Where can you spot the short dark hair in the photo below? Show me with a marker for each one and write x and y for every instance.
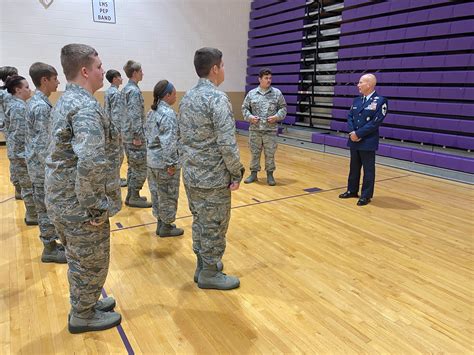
(7, 71)
(75, 56)
(205, 59)
(111, 74)
(264, 71)
(13, 82)
(130, 67)
(40, 70)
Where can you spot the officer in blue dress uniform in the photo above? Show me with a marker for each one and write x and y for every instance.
(365, 116)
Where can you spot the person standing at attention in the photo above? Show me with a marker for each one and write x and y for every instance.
(364, 119)
(82, 186)
(263, 107)
(211, 167)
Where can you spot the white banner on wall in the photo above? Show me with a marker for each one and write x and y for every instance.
(103, 11)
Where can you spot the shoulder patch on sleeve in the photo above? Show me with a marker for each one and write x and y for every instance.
(384, 109)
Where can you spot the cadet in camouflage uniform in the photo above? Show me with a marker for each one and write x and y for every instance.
(263, 106)
(114, 106)
(15, 126)
(82, 184)
(162, 159)
(45, 78)
(211, 166)
(134, 135)
(5, 72)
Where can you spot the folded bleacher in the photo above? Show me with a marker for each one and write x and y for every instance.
(422, 52)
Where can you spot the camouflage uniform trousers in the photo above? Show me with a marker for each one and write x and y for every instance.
(164, 191)
(137, 170)
(21, 173)
(266, 140)
(88, 254)
(47, 230)
(211, 216)
(13, 178)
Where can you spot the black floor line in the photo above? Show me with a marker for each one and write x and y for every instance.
(267, 201)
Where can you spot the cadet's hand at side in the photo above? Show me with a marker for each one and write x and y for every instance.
(234, 186)
(254, 119)
(272, 119)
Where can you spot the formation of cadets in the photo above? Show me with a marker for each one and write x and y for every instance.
(65, 163)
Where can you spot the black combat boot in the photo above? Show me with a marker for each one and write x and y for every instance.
(270, 179)
(53, 253)
(210, 277)
(220, 267)
(252, 178)
(18, 192)
(134, 200)
(168, 230)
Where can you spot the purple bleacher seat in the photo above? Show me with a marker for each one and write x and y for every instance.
(437, 61)
(384, 150)
(466, 126)
(432, 77)
(385, 132)
(454, 163)
(420, 46)
(423, 157)
(290, 119)
(276, 59)
(317, 138)
(242, 125)
(291, 109)
(276, 79)
(278, 7)
(295, 36)
(338, 125)
(445, 140)
(444, 124)
(256, 4)
(277, 18)
(464, 142)
(387, 7)
(422, 137)
(401, 153)
(277, 69)
(275, 49)
(335, 141)
(339, 113)
(402, 134)
(414, 32)
(290, 99)
(278, 28)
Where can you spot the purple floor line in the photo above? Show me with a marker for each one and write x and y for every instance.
(121, 332)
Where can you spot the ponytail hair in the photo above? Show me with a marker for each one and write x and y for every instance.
(161, 89)
(13, 82)
(5, 72)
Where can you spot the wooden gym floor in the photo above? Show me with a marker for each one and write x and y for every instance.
(318, 274)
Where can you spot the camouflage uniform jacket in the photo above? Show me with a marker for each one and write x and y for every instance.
(114, 105)
(207, 144)
(264, 104)
(82, 179)
(38, 121)
(161, 137)
(15, 127)
(134, 113)
(4, 97)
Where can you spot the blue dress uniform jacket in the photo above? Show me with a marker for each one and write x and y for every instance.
(365, 119)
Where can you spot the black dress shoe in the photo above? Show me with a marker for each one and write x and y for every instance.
(348, 194)
(363, 201)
